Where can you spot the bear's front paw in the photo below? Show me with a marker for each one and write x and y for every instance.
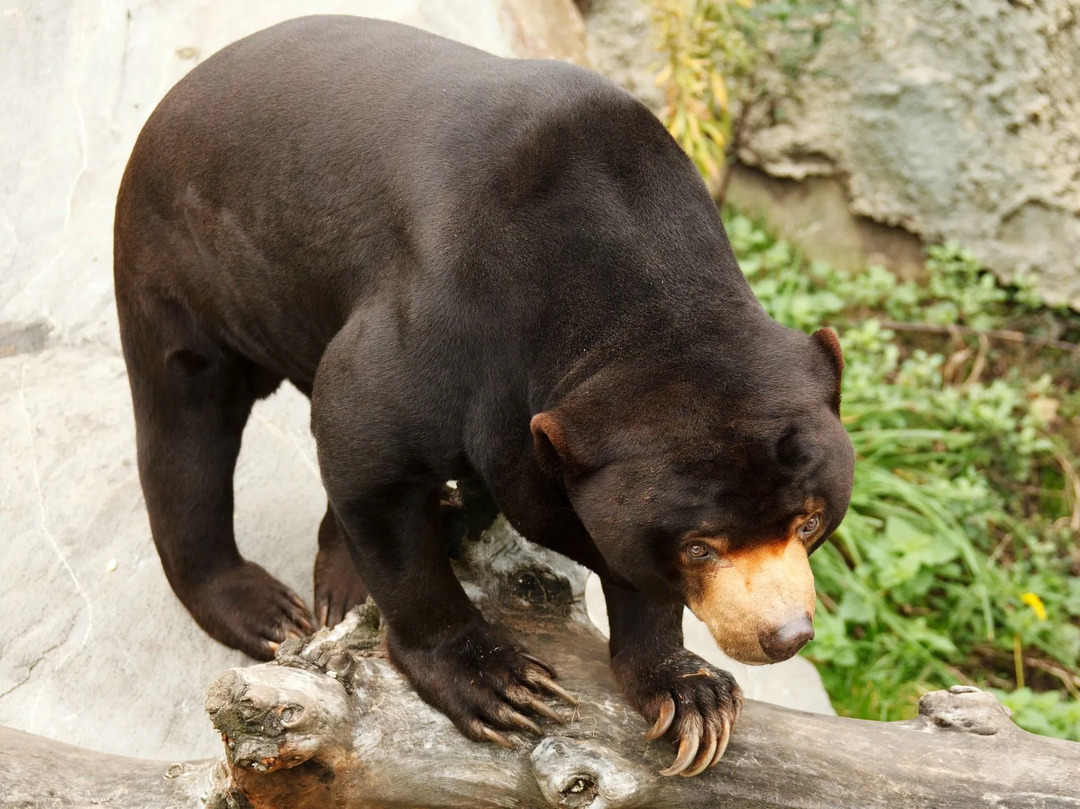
(482, 681)
(688, 700)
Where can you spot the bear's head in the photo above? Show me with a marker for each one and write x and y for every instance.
(710, 480)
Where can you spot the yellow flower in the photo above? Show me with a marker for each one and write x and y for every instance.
(1036, 605)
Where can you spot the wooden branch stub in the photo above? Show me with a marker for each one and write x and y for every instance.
(285, 718)
(578, 773)
(966, 709)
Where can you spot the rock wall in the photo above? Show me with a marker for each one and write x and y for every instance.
(940, 119)
(952, 119)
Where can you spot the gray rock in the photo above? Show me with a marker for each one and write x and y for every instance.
(940, 121)
(89, 600)
(953, 120)
(622, 46)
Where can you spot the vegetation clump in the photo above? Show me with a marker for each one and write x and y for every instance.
(959, 559)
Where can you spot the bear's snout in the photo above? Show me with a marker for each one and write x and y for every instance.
(786, 640)
(759, 602)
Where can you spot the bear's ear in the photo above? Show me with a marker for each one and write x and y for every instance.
(828, 340)
(550, 445)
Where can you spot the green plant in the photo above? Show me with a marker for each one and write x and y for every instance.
(705, 46)
(958, 559)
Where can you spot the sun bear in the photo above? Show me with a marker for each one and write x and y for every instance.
(495, 270)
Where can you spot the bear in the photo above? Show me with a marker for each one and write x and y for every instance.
(491, 270)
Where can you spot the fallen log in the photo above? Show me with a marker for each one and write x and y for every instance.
(330, 723)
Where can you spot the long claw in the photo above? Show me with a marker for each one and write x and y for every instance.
(555, 688)
(722, 743)
(688, 747)
(536, 661)
(514, 718)
(495, 736)
(705, 754)
(324, 613)
(663, 721)
(523, 699)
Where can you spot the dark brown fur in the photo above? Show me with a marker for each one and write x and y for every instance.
(477, 268)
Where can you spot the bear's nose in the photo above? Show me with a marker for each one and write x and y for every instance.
(784, 641)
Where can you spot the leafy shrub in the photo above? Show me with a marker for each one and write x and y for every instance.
(958, 559)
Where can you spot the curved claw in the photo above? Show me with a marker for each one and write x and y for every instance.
(536, 705)
(304, 623)
(663, 721)
(512, 717)
(549, 685)
(705, 754)
(536, 661)
(495, 736)
(722, 742)
(296, 613)
(688, 747)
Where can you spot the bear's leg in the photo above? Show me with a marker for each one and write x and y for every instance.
(338, 585)
(471, 670)
(479, 507)
(689, 701)
(191, 399)
(385, 485)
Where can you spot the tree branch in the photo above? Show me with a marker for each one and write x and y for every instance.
(331, 723)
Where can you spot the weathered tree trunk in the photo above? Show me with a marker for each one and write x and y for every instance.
(330, 723)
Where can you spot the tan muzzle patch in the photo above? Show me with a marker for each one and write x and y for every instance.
(765, 592)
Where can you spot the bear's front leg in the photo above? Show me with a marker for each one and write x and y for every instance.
(472, 671)
(386, 497)
(481, 679)
(688, 700)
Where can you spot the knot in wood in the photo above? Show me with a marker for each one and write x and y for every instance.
(966, 709)
(580, 773)
(579, 792)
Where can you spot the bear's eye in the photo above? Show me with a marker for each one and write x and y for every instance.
(697, 550)
(810, 526)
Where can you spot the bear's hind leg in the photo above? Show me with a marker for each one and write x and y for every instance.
(338, 586)
(192, 398)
